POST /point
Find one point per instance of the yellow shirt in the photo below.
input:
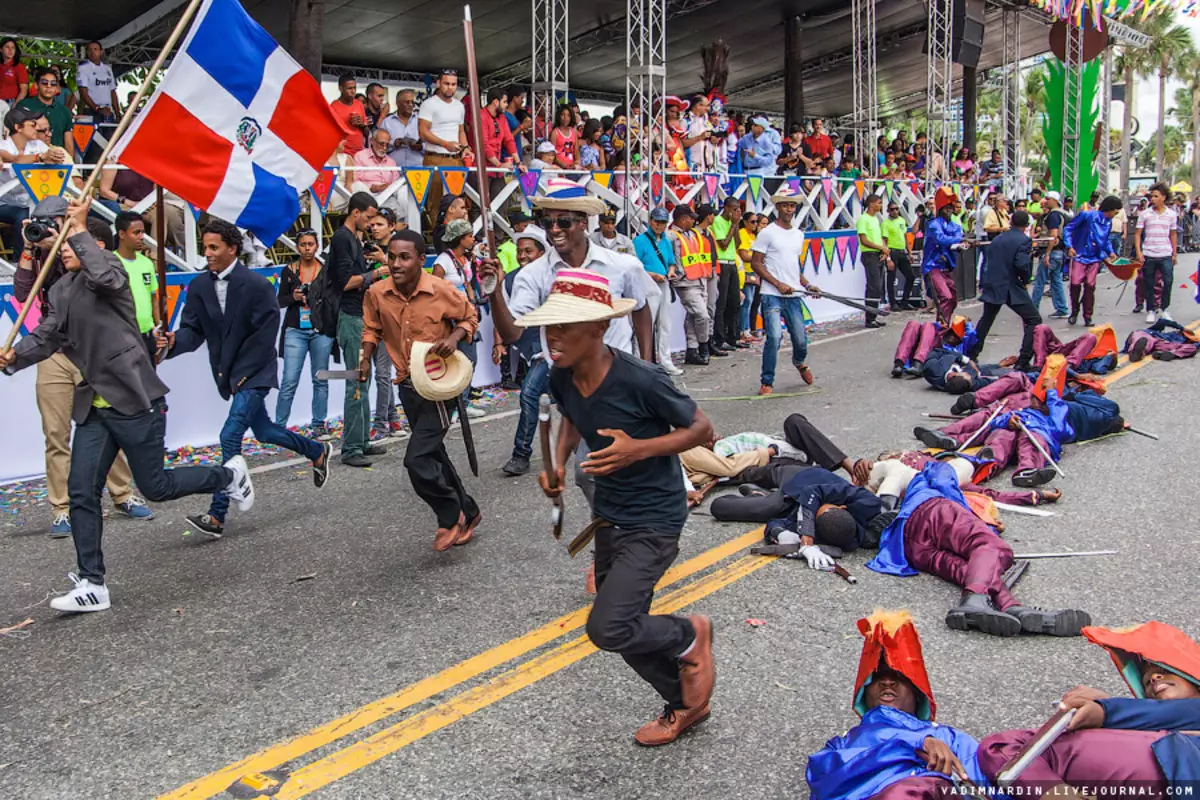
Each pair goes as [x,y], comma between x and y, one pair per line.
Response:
[745,242]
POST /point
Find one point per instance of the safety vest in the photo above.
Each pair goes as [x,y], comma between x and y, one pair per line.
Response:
[696,255]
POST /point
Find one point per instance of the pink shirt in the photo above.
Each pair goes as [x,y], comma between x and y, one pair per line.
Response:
[1156,232]
[366,158]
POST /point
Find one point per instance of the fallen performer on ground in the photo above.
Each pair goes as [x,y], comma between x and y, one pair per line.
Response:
[919,339]
[1165,340]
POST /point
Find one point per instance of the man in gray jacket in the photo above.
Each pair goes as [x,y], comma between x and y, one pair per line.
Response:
[119,405]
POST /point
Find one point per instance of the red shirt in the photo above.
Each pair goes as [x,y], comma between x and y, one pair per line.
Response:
[354,134]
[496,135]
[820,145]
[12,77]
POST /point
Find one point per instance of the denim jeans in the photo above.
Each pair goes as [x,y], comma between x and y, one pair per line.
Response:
[297,345]
[356,413]
[537,381]
[1051,269]
[140,436]
[385,393]
[1151,269]
[776,310]
[748,293]
[248,411]
[14,216]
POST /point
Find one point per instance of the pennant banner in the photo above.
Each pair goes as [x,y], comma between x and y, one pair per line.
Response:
[794,185]
[827,185]
[529,182]
[419,179]
[197,211]
[754,184]
[42,180]
[322,188]
[843,245]
[454,179]
[656,189]
[83,133]
[915,187]
[805,246]
[828,245]
[815,251]
[603,178]
[888,188]
[861,187]
[853,249]
[712,181]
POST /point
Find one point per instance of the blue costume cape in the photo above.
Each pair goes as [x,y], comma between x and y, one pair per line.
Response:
[1088,234]
[1055,428]
[934,481]
[1178,754]
[881,750]
[936,252]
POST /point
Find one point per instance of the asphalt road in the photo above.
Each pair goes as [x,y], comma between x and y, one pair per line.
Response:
[326,634]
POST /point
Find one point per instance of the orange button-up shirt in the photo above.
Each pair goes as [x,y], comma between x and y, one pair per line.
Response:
[433,311]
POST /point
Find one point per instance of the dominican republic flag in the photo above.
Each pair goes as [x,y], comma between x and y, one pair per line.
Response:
[236,127]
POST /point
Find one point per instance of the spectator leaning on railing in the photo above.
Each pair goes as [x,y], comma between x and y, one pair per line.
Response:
[443,130]
[61,121]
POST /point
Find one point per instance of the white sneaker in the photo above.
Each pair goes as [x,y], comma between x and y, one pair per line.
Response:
[86,596]
[241,488]
[1150,318]
[1166,315]
[474,412]
[672,369]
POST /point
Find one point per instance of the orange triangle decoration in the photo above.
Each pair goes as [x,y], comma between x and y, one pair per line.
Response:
[861,187]
[454,179]
[83,133]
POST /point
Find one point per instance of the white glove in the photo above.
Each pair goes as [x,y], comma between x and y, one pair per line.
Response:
[815,558]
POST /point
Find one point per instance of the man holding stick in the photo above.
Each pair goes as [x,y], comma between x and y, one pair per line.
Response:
[119,405]
[634,423]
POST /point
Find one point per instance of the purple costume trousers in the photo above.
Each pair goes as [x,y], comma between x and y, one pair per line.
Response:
[1005,443]
[1155,345]
[925,787]
[916,341]
[1015,386]
[1046,344]
[944,294]
[1085,759]
[1083,281]
[945,539]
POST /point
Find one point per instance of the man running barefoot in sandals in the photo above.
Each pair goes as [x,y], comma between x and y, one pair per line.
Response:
[635,423]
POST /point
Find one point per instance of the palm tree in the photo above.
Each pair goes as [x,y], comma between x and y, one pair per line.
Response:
[1187,105]
[1167,42]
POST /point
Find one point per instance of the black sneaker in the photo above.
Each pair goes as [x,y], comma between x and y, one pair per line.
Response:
[1032,478]
[321,473]
[209,525]
[1087,321]
[1138,308]
[374,450]
[985,453]
[898,369]
[1071,320]
[517,465]
[876,323]
[1163,355]
[915,369]
[964,405]
[357,460]
[876,526]
[932,438]
[1059,315]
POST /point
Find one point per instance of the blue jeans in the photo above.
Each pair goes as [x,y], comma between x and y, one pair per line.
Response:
[748,293]
[537,381]
[248,411]
[297,345]
[14,216]
[1151,269]
[1052,270]
[356,412]
[775,310]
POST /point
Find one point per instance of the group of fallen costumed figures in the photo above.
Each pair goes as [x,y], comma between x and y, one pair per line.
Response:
[1148,745]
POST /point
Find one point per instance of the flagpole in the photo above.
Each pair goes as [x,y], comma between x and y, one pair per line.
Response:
[90,184]
[477,135]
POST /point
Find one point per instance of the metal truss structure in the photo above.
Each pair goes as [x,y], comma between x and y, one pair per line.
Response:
[645,90]
[939,82]
[1072,138]
[1105,157]
[865,68]
[1010,98]
[551,44]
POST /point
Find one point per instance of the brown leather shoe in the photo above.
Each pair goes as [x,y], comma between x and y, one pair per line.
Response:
[805,374]
[696,671]
[669,726]
[467,529]
[446,537]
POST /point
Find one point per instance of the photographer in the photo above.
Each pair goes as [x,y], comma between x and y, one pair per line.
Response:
[57,377]
[299,339]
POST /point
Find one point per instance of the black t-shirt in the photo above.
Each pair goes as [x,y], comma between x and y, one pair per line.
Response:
[639,399]
[1054,221]
[345,261]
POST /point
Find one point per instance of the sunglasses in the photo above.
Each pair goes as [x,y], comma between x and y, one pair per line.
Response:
[41,131]
[564,223]
[48,83]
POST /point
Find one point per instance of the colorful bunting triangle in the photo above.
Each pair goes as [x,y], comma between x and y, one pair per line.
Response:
[419,180]
[814,250]
[754,185]
[529,182]
[322,188]
[861,187]
[805,246]
[196,211]
[656,189]
[712,182]
[794,185]
[828,245]
[82,133]
[853,248]
[454,179]
[915,186]
[43,180]
[843,244]
[827,185]
[603,178]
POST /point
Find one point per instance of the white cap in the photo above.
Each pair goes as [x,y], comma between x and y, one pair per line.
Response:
[1054,196]
[545,147]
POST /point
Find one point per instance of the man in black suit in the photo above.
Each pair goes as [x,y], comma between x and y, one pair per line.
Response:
[234,311]
[119,405]
[1006,272]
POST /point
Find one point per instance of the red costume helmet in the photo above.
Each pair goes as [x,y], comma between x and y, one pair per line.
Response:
[943,197]
[891,639]
[1152,642]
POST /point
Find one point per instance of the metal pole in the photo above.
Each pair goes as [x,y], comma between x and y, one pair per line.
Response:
[160,236]
[1106,120]
[481,164]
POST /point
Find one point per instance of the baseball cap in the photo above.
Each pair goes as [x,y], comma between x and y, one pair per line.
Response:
[517,217]
[1053,196]
[660,214]
[609,214]
[51,207]
[545,147]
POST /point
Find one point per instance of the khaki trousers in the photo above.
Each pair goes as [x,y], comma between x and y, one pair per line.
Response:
[56,381]
[436,190]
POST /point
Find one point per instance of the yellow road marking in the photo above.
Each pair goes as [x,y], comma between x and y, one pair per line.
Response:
[217,782]
[367,751]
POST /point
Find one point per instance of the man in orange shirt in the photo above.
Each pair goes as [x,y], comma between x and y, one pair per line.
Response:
[350,113]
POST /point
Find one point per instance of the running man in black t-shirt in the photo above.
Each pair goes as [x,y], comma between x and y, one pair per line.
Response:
[635,423]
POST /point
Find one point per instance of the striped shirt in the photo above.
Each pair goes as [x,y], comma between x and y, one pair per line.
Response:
[1156,232]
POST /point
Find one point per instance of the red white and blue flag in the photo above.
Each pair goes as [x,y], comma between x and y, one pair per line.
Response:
[236,127]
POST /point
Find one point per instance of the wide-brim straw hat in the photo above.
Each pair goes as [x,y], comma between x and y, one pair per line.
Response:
[578,295]
[785,194]
[566,195]
[436,378]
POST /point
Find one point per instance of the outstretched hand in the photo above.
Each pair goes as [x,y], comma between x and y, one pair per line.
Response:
[940,758]
[624,451]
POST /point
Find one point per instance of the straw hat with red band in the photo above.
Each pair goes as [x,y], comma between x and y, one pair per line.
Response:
[943,197]
[562,194]
[578,295]
[436,378]
[1153,643]
[891,639]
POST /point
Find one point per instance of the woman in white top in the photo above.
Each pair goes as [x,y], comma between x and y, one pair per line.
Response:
[454,263]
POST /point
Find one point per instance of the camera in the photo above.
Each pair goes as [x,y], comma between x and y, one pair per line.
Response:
[40,228]
[304,289]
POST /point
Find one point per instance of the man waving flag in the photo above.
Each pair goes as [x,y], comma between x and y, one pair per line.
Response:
[236,127]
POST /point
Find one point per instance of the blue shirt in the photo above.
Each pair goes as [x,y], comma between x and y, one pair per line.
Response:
[765,148]
[1054,427]
[937,480]
[940,234]
[644,248]
[1088,235]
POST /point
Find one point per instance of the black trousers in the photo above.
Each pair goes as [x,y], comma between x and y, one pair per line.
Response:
[872,262]
[735,508]
[729,305]
[629,562]
[803,435]
[429,467]
[904,267]
[140,436]
[1030,319]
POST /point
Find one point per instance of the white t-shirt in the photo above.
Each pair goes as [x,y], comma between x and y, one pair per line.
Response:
[17,196]
[781,248]
[98,80]
[443,117]
[699,154]
[1156,232]
[453,273]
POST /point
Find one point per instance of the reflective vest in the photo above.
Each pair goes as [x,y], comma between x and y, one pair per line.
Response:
[696,255]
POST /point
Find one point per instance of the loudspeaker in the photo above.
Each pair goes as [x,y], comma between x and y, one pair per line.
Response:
[967,32]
